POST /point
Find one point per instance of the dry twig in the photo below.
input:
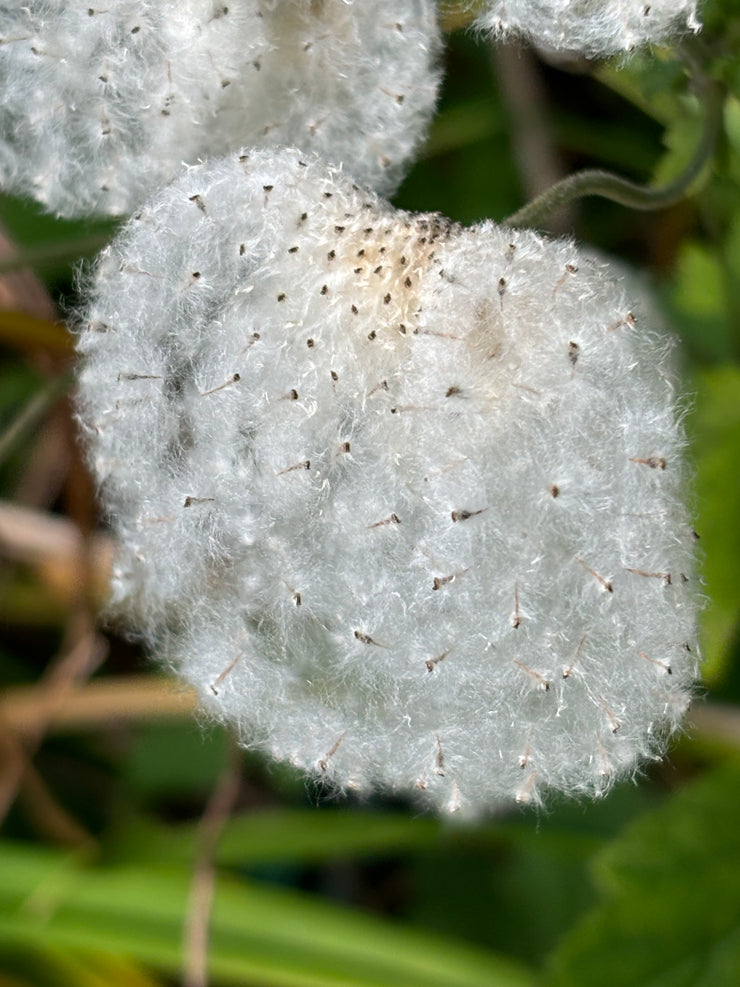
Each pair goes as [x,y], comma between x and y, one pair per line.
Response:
[81,654]
[200,900]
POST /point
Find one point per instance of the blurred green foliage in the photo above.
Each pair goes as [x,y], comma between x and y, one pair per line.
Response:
[670,901]
[641,889]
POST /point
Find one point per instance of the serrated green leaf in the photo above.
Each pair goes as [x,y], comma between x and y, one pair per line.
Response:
[670,915]
[259,935]
[681,139]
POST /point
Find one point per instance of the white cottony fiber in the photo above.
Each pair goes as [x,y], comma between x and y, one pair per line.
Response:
[591,27]
[403,500]
[102,102]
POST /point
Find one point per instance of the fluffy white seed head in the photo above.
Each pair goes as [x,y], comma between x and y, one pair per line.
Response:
[403,500]
[592,27]
[102,102]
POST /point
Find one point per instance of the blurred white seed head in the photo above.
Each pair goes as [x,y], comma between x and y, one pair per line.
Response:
[591,27]
[103,102]
[403,500]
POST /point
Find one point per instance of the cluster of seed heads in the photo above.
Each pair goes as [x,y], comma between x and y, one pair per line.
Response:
[403,500]
[104,102]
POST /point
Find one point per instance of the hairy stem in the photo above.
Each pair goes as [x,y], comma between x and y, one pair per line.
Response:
[611,186]
[203,886]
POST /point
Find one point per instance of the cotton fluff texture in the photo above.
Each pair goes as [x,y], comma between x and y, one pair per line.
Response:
[592,27]
[403,500]
[101,103]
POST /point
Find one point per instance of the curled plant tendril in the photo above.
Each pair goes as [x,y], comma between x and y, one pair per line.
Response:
[610,186]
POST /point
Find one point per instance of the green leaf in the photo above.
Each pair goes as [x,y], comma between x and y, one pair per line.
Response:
[47,966]
[259,935]
[462,125]
[651,83]
[295,836]
[175,758]
[681,139]
[310,837]
[55,255]
[43,241]
[697,301]
[716,443]
[670,915]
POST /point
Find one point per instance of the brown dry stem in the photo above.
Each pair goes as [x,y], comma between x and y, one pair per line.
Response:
[202,888]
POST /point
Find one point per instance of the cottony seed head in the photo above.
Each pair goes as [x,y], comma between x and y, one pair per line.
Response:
[103,102]
[590,27]
[388,500]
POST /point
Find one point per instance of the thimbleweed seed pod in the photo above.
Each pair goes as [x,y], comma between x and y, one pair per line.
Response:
[590,27]
[403,500]
[103,102]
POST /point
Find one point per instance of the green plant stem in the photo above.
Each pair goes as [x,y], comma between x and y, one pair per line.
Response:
[611,186]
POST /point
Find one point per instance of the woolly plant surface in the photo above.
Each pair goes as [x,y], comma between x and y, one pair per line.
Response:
[102,102]
[592,27]
[403,500]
